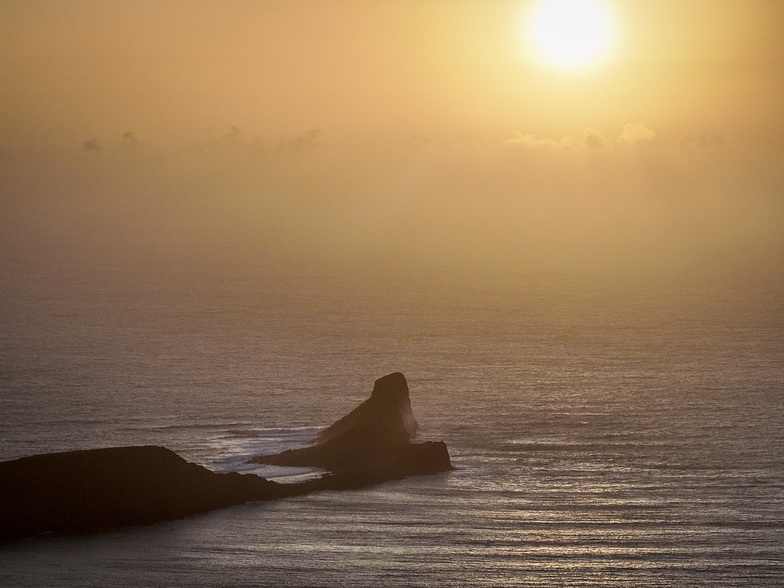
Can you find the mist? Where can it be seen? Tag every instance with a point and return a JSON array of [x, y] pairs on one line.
[[632, 204], [395, 140]]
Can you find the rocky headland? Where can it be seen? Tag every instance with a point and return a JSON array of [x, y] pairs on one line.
[[373, 441], [90, 490], [82, 491]]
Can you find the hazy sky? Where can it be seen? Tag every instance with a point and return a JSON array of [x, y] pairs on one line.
[[170, 69], [416, 133]]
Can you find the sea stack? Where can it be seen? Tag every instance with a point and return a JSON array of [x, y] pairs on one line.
[[388, 410], [373, 442]]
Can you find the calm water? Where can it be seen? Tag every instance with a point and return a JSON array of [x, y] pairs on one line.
[[604, 433]]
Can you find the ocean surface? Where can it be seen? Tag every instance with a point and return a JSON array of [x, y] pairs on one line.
[[604, 432]]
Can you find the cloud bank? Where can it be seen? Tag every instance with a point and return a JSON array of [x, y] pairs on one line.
[[311, 202]]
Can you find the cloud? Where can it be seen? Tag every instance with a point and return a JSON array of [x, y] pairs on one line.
[[306, 142], [131, 143], [529, 141], [130, 138], [708, 139], [593, 140], [634, 134], [92, 146], [590, 139], [526, 202]]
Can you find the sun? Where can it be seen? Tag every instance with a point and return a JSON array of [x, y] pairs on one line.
[[570, 35]]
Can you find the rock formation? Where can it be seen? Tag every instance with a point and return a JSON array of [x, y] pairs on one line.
[[94, 489], [388, 409], [373, 441], [80, 491]]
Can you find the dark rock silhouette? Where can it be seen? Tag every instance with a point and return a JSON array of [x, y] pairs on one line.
[[80, 491], [388, 409], [372, 441], [89, 490]]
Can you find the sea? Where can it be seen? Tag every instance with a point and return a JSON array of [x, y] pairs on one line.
[[605, 430]]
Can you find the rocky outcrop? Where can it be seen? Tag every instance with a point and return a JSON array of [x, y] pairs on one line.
[[388, 411], [94, 489], [81, 491], [372, 441]]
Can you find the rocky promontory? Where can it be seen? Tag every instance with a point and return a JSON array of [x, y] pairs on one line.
[[90, 490], [81, 491], [372, 441]]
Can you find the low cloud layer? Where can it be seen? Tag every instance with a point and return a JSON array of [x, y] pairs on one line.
[[310, 202], [634, 134]]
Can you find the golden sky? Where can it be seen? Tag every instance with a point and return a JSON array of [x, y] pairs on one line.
[[167, 69], [318, 124]]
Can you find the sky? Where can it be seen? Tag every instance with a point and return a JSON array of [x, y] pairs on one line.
[[337, 135]]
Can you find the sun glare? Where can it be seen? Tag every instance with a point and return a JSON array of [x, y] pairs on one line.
[[570, 35]]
